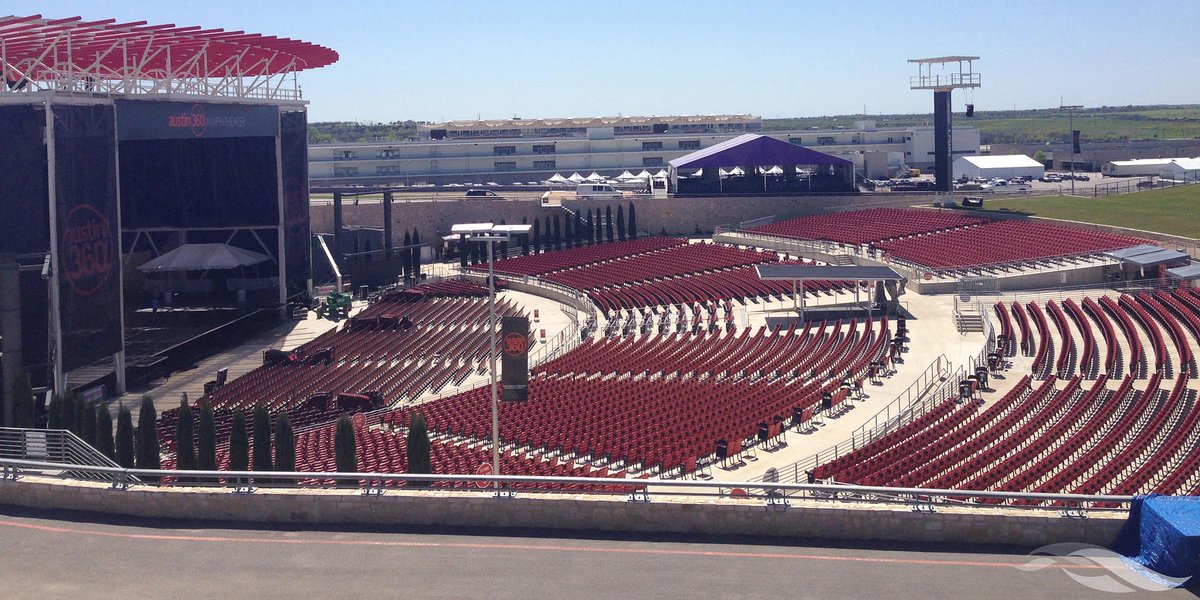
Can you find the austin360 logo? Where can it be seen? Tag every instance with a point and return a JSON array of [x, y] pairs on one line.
[[86, 248], [196, 120]]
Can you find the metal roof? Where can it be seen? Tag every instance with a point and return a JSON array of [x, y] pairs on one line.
[[1188, 271], [1131, 251], [831, 272], [184, 51], [943, 59], [754, 150], [1002, 161], [1152, 259]]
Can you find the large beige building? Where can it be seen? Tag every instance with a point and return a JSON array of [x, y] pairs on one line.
[[532, 150]]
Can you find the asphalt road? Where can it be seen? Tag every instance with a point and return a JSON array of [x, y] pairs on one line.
[[46, 555]]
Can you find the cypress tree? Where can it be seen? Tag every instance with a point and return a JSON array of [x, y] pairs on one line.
[[597, 235], [462, 251], [22, 395], [558, 238], [185, 441], [87, 424], [525, 238], [104, 433], [406, 262], [206, 443], [80, 409], [569, 237], [537, 236], [147, 435], [620, 222], [344, 450], [55, 418], [124, 439], [549, 231], [632, 221], [285, 445], [68, 411], [415, 253], [262, 439], [580, 235], [608, 224], [239, 443], [418, 446]]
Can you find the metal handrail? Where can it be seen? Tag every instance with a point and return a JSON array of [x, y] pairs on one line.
[[13, 470]]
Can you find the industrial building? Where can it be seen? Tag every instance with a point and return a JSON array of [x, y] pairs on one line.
[[533, 150], [1003, 167]]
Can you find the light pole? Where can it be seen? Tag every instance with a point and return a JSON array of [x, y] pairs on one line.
[[1071, 125], [489, 233]]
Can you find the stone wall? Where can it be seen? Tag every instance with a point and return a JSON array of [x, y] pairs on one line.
[[663, 514]]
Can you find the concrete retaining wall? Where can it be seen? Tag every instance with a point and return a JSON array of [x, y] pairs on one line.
[[806, 518]]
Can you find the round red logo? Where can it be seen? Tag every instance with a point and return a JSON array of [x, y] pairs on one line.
[[514, 344], [359, 420], [86, 249], [484, 469], [199, 120]]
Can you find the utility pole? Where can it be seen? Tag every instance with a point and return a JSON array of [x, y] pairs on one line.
[[1071, 125]]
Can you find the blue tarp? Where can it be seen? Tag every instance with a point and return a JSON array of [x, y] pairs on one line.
[[1163, 533]]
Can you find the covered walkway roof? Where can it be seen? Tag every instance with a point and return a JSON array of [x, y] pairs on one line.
[[752, 149], [771, 272]]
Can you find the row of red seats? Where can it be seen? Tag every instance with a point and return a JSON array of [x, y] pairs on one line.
[[865, 226], [549, 262], [674, 261], [1001, 243]]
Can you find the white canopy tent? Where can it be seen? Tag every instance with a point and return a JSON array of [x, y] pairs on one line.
[[594, 177], [575, 178], [203, 257]]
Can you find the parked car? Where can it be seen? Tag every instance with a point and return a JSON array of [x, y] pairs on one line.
[[482, 195]]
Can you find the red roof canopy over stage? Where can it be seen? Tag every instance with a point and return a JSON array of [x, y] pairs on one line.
[[40, 49]]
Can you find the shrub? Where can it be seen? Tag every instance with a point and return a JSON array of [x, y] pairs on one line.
[[87, 424], [206, 443], [239, 443], [344, 450], [104, 433], [185, 441], [285, 444], [147, 435], [262, 441], [418, 447], [54, 420], [124, 437]]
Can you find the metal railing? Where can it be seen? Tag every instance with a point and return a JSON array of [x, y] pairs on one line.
[[52, 445], [776, 494]]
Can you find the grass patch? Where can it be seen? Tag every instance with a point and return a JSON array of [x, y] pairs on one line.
[[1174, 211]]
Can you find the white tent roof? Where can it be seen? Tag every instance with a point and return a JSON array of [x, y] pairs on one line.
[[626, 176], [203, 257], [645, 174], [594, 177], [575, 177], [1144, 162], [1002, 161], [661, 174], [1183, 164]]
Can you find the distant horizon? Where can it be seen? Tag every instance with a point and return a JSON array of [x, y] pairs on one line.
[[449, 61]]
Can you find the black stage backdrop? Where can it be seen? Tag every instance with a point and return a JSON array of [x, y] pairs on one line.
[[293, 145], [24, 193], [88, 253]]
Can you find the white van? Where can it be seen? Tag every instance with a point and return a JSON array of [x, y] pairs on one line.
[[596, 190]]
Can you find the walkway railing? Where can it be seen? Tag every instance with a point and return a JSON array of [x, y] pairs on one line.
[[775, 494]]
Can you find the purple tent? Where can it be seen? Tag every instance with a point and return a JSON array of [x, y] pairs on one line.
[[756, 150]]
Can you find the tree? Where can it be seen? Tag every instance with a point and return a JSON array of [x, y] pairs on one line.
[[206, 446], [68, 411], [22, 398], [285, 444], [537, 236], [239, 443], [262, 439], [591, 229], [463, 249], [549, 234], [104, 433], [406, 262], [54, 419], [569, 238], [557, 238], [87, 423], [185, 440], [620, 222], [598, 236], [632, 221], [418, 446], [415, 269], [525, 238], [580, 236], [147, 435], [608, 224], [79, 408], [124, 441], [345, 453]]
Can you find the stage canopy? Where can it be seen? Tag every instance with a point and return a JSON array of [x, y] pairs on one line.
[[752, 149], [203, 257]]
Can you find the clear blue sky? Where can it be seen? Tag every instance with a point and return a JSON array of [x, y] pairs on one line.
[[458, 60]]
